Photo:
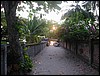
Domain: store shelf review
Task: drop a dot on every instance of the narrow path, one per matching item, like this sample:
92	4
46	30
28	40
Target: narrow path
57	61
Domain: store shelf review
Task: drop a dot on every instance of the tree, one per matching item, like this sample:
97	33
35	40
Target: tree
35	27
13	36
77	22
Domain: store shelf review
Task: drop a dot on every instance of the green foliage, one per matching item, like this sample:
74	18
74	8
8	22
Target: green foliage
31	29
25	48
27	65
77	25
35	28
3	42
3	25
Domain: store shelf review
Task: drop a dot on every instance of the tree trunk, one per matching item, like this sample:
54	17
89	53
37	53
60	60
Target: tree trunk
15	47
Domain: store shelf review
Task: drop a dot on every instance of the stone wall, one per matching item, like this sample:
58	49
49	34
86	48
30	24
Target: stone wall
33	50
83	49
86	50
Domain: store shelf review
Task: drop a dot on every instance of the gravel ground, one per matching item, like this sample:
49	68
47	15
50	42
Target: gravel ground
58	61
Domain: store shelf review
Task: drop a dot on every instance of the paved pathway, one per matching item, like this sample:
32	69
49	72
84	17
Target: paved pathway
57	61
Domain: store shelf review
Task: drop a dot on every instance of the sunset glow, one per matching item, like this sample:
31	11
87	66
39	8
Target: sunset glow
52	42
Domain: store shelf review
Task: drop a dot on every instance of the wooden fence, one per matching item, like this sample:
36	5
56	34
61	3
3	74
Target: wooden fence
86	50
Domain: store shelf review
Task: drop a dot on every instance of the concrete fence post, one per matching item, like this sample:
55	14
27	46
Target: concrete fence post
90	52
76	47
5	59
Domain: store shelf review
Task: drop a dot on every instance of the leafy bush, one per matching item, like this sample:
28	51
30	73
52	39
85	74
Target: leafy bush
27	65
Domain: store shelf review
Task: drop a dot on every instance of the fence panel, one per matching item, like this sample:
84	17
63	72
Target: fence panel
64	44
30	51
33	50
68	45
73	47
83	49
